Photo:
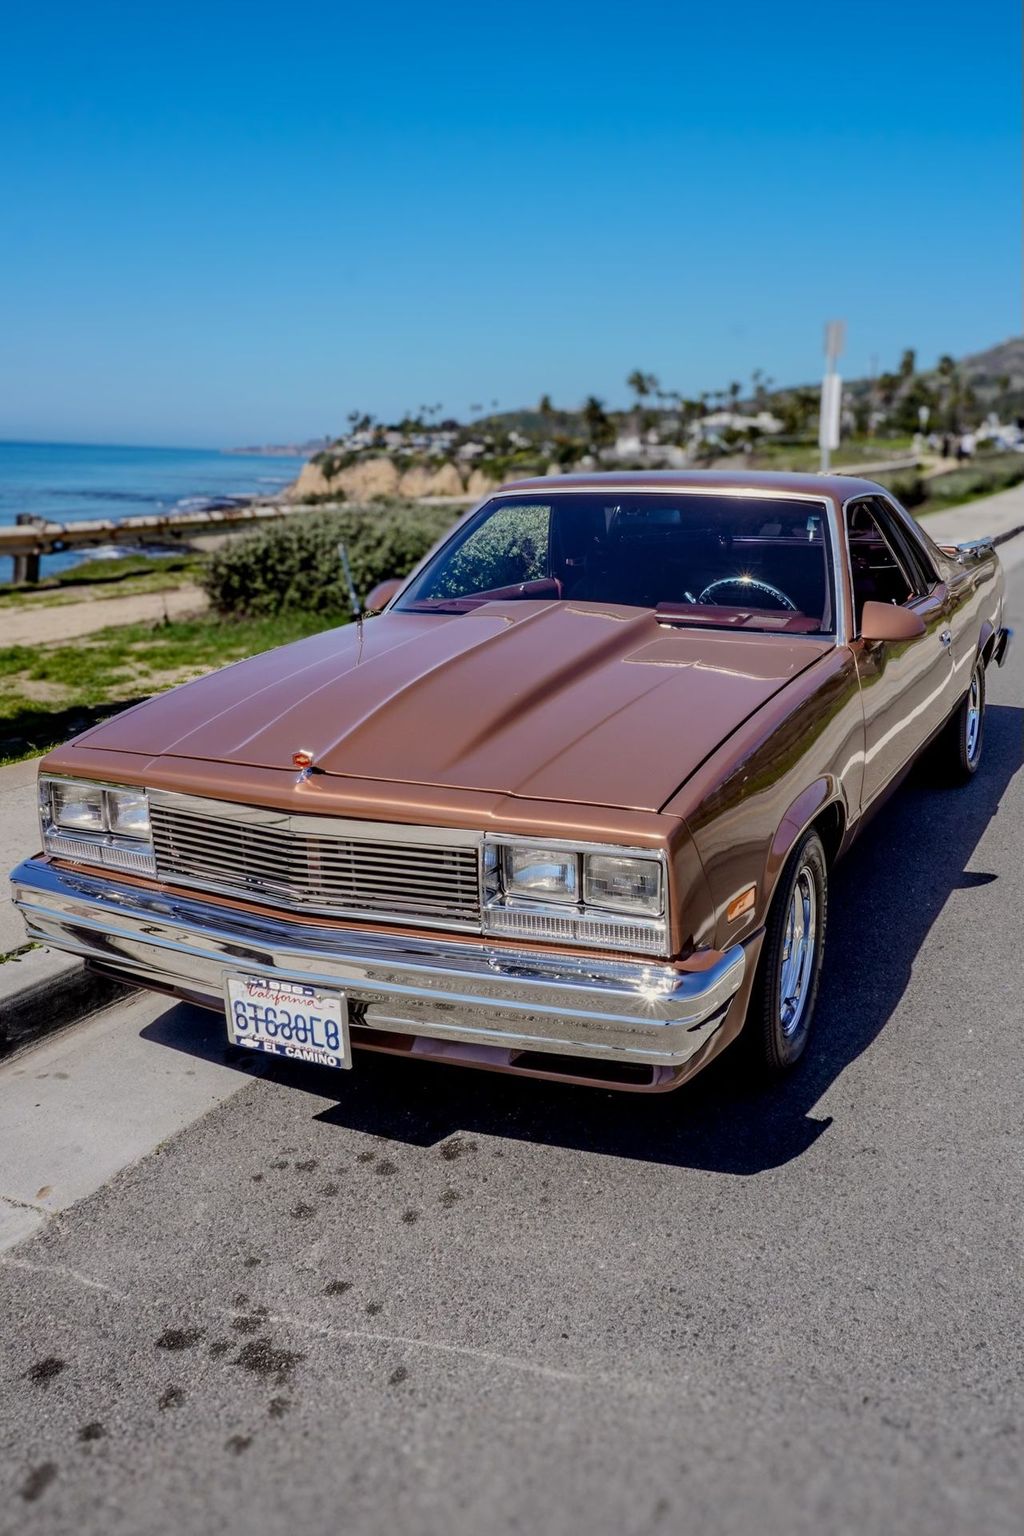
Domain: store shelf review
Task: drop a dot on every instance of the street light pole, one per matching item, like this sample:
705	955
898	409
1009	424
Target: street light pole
831	392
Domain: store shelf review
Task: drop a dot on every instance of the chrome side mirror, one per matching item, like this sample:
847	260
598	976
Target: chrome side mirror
382	594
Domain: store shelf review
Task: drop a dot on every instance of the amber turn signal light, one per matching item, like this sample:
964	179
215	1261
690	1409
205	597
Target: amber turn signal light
744	902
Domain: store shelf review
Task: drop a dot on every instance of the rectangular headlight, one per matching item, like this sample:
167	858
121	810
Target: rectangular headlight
79	807
128	812
622	884
541	874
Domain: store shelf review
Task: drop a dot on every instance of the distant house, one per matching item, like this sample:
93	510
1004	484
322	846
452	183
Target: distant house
628	445
716	422
646	448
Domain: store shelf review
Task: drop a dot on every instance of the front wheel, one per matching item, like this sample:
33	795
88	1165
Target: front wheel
789	970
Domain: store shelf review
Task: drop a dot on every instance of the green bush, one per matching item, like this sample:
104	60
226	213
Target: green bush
512	546
909	488
294	563
982	478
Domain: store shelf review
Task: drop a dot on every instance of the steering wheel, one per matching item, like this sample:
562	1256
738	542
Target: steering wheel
747	585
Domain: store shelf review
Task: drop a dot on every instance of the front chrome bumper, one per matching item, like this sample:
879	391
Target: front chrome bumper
470	993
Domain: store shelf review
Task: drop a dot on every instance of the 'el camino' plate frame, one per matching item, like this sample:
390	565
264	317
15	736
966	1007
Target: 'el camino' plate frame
297	1020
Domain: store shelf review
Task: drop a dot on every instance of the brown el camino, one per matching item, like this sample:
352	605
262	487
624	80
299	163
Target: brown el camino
566	806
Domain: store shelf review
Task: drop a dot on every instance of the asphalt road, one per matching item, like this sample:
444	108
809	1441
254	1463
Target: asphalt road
421	1299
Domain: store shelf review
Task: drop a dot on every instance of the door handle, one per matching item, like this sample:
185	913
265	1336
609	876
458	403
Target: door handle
946	638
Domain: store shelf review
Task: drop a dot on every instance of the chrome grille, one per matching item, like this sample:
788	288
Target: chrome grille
311	864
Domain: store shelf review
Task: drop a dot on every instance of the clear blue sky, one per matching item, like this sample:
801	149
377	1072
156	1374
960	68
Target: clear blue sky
237	221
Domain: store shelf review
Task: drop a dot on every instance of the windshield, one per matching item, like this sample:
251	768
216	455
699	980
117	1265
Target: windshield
735	562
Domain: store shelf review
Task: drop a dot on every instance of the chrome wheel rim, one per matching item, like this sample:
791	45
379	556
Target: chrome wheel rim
974	717
798	952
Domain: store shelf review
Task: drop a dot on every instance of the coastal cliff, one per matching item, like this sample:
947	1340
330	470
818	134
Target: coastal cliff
380	478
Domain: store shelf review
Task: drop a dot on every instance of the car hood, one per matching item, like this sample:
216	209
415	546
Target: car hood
583	703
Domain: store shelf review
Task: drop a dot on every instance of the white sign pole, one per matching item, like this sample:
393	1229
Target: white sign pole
831	393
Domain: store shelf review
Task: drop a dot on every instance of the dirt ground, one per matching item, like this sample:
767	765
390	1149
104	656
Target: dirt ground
29	625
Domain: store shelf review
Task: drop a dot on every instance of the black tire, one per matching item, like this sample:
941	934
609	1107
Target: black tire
958	749
777	1029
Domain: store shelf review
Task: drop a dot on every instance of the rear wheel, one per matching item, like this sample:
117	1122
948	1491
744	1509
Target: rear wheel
959	747
789	970
971	725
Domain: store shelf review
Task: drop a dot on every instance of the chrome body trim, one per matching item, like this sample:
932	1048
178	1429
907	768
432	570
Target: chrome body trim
494	908
645	1012
970	551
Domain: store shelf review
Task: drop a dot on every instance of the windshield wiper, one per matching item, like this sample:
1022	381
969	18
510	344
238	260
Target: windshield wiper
440	605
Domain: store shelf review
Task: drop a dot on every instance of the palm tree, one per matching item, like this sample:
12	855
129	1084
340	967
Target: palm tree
951	391
762	384
595	420
642	384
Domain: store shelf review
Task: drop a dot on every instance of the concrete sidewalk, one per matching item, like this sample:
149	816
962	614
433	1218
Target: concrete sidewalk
998	517
19	838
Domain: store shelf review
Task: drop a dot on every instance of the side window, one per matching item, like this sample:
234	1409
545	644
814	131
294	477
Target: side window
878	573
509	548
912	550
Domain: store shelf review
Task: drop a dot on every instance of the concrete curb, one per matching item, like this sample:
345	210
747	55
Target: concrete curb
42	991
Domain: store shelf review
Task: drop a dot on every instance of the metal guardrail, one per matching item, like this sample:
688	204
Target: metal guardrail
30	537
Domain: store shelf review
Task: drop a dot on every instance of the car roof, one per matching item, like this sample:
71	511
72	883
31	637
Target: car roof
835	488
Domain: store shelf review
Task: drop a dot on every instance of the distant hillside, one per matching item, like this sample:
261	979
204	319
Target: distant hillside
995	377
1005	359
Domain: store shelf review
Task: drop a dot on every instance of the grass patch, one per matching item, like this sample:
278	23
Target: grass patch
806	456
120	569
988	475
106	578
14	955
48	693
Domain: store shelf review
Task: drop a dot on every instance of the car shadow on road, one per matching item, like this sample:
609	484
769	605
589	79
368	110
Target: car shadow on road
886	894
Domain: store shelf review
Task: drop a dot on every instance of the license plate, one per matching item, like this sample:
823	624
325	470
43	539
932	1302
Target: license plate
288	1018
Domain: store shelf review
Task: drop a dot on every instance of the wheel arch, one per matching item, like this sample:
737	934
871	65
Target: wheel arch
822	808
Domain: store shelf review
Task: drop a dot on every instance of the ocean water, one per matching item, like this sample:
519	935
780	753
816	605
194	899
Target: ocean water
64	482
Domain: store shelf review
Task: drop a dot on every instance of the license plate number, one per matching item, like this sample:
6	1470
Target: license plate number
289	1019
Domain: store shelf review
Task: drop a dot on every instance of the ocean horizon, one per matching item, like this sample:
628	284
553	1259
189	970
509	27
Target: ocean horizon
69	482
